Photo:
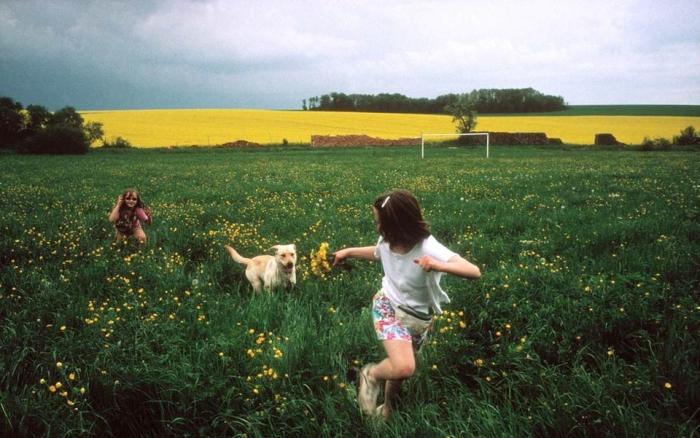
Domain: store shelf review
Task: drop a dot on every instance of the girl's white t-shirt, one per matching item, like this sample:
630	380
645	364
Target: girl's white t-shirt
405	282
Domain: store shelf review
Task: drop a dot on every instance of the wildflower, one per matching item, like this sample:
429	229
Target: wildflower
52	388
319	261
479	363
71	376
42	381
668	385
59	364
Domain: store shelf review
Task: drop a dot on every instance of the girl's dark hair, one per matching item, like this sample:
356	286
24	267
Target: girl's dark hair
139	201
400	218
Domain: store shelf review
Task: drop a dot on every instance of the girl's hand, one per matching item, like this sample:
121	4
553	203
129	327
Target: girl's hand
119	200
427	263
339	256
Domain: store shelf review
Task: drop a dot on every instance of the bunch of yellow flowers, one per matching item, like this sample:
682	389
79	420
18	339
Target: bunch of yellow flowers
319	261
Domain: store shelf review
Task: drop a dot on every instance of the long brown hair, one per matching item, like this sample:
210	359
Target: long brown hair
139	201
400	218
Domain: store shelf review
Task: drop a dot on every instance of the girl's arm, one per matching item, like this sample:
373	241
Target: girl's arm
144	215
114	214
364	252
456	265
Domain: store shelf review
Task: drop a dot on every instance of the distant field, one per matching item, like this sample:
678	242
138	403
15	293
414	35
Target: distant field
632	110
154	128
622	110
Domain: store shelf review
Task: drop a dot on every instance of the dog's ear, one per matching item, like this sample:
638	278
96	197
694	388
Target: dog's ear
274	248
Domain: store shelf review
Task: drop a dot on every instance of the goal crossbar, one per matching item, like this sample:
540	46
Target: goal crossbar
423	136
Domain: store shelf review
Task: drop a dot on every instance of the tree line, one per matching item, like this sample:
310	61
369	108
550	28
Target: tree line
492	100
36	130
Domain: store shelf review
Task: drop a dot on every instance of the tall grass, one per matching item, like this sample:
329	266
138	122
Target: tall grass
585	321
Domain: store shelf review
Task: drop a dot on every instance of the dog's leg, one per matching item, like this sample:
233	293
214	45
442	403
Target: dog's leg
254	280
257	285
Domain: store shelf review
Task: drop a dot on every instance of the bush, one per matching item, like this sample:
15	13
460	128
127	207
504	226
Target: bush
58	139
655	144
688	137
117	143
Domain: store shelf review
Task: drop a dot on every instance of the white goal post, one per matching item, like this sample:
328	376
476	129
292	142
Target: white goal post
423	136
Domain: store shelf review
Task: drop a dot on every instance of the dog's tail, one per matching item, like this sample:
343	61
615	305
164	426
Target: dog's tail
235	256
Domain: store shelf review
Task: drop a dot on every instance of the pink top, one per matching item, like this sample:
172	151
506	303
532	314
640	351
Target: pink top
140	215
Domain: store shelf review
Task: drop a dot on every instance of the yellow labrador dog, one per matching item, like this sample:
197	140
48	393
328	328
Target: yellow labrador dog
269	272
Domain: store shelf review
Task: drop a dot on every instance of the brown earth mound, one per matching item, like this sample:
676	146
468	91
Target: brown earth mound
319	141
239	144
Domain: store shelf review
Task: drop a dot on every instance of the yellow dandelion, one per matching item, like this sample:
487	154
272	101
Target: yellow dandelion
52	388
668	385
59	364
71	376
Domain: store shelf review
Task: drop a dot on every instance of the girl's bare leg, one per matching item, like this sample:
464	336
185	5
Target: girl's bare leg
392	389
140	235
399	365
118	237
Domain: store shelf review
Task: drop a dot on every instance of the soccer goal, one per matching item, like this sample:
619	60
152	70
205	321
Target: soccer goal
424	136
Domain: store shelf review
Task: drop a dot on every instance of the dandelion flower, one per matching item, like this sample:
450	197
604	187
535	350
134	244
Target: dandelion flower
668	385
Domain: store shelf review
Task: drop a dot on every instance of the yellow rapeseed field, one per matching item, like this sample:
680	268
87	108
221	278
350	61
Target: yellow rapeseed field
183	127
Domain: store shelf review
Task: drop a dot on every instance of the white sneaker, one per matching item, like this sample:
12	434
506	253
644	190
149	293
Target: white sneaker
368	391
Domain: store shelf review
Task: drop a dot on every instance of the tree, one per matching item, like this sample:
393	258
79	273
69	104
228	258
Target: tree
11	121
56	139
93	132
37	119
463	115
67	116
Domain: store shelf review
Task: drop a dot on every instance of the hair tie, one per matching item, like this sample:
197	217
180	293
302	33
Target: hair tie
385	201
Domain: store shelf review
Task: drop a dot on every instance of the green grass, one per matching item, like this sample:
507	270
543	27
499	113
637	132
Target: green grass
586	309
621	110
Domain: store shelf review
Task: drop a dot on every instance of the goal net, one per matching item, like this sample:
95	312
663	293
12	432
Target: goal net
423	138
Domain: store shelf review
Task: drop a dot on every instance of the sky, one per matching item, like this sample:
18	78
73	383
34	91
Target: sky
275	53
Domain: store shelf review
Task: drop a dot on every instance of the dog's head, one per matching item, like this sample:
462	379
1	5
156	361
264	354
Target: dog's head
286	256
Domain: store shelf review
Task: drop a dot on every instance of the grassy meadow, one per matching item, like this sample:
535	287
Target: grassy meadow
584	323
205	127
